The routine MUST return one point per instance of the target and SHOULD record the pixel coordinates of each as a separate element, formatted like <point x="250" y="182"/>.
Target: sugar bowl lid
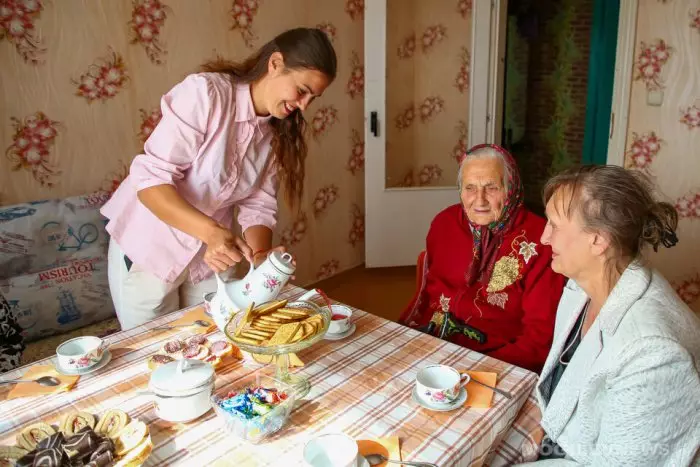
<point x="182" y="377"/>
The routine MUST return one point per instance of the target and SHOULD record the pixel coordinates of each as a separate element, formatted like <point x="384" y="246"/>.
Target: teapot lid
<point x="181" y="377"/>
<point x="283" y="262"/>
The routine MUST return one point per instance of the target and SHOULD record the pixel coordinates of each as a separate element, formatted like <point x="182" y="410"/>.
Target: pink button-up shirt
<point x="212" y="147"/>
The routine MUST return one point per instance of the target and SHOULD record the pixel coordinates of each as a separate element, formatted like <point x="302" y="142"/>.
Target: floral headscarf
<point x="488" y="238"/>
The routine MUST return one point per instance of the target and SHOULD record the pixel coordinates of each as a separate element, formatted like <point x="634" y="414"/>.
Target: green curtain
<point x="601" y="76"/>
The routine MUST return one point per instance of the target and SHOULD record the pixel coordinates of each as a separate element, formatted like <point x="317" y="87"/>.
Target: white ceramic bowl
<point x="80" y="353"/>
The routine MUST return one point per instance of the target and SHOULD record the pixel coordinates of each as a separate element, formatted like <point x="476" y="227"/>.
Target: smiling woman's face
<point x="483" y="194"/>
<point x="290" y="89"/>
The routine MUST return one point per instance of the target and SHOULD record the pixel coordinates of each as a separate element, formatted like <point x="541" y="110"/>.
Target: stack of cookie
<point x="275" y="324"/>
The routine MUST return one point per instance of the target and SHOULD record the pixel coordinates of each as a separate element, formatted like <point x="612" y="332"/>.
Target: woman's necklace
<point x="578" y="331"/>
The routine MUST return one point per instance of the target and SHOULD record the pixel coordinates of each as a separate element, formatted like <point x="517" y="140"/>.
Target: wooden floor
<point x="383" y="292"/>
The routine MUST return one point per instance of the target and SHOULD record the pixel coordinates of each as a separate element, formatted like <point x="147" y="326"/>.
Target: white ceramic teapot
<point x="260" y="285"/>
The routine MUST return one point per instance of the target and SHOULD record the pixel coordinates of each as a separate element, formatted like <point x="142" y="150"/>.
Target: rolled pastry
<point x="12" y="452"/>
<point x="138" y="455"/>
<point x="30" y="436"/>
<point x="130" y="437"/>
<point x="75" y="422"/>
<point x="112" y="423"/>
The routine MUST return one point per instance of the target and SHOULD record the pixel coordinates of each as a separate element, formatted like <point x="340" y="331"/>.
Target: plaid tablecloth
<point x="361" y="386"/>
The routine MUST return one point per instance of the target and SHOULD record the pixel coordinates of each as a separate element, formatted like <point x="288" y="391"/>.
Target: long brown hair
<point x="301" y="48"/>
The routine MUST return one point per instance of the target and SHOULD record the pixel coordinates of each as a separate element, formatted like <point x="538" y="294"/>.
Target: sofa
<point x="53" y="264"/>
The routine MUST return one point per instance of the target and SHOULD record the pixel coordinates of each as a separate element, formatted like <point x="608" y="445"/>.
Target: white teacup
<point x="208" y="297"/>
<point x="80" y="353"/>
<point x="439" y="384"/>
<point x="338" y="324"/>
<point x="333" y="449"/>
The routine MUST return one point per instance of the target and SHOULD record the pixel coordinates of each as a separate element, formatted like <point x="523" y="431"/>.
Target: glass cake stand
<point x="280" y="353"/>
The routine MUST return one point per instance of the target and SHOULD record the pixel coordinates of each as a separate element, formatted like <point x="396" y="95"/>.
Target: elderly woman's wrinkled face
<point x="573" y="248"/>
<point x="483" y="193"/>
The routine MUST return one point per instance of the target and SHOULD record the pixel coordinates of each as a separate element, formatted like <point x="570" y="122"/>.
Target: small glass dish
<point x="258" y="428"/>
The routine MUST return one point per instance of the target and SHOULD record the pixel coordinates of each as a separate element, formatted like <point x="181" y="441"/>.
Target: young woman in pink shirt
<point x="228" y="137"/>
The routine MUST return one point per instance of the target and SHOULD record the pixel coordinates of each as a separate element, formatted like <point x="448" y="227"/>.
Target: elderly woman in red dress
<point x="487" y="282"/>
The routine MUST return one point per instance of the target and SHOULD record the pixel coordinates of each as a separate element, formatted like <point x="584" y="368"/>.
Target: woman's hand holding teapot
<point x="224" y="249"/>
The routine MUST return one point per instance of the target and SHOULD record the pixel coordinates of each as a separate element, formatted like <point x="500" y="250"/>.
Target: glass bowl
<point x="281" y="352"/>
<point x="259" y="428"/>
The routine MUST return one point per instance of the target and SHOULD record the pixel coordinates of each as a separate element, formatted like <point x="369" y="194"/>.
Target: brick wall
<point x="534" y="153"/>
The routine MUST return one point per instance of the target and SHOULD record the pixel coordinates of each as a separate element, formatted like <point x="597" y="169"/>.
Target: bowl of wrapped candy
<point x="258" y="407"/>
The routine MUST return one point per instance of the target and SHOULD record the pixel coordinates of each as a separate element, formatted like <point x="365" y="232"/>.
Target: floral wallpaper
<point x="78" y="102"/>
<point x="428" y="64"/>
<point x="662" y="140"/>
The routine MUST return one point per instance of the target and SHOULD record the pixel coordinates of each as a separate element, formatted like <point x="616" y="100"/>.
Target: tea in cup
<point x="439" y="384"/>
<point x="80" y="353"/>
<point x="333" y="449"/>
<point x="340" y="319"/>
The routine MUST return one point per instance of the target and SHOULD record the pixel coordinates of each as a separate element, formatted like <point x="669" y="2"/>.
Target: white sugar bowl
<point x="181" y="390"/>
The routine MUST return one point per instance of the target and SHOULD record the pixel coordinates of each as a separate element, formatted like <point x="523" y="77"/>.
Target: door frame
<point x="397" y="219"/>
<point x="622" y="87"/>
<point x="497" y="63"/>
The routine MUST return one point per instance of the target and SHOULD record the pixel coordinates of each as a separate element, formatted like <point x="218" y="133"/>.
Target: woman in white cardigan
<point x="620" y="385"/>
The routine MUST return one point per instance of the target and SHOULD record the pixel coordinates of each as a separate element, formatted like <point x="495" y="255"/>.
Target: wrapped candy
<point x="252" y="402"/>
<point x="257" y="410"/>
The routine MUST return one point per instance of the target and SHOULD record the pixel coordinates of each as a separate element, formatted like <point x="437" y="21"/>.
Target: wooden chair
<point x="420" y="265"/>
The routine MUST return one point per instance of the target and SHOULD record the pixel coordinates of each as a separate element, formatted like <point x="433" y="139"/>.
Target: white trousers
<point x="139" y="296"/>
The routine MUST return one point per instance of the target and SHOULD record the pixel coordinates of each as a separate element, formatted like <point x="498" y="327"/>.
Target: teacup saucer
<point x="457" y="403"/>
<point x="106" y="357"/>
<point x="336" y="337"/>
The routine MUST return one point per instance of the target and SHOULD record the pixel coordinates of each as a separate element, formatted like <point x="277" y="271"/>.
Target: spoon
<point x="44" y="381"/>
<point x="199" y="322"/>
<point x="376" y="459"/>
<point x="500" y="391"/>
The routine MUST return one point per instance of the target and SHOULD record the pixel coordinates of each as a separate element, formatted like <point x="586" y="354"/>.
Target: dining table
<point x="360" y="385"/>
